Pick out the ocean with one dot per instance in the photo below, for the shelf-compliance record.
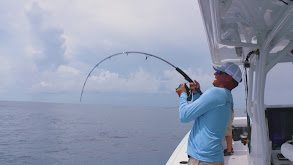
(51, 133)
(82, 134)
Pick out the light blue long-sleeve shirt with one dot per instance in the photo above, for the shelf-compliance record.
(211, 113)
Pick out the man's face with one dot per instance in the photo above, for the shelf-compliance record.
(220, 79)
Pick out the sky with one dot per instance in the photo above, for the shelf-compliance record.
(48, 47)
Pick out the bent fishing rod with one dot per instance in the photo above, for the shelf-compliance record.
(147, 55)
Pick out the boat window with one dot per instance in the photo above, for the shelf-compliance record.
(279, 85)
(280, 125)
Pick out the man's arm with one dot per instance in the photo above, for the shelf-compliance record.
(206, 102)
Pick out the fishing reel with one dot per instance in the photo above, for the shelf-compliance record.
(189, 93)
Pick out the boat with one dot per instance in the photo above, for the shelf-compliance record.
(256, 35)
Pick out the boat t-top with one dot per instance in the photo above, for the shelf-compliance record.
(257, 35)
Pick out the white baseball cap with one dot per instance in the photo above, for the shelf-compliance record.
(231, 69)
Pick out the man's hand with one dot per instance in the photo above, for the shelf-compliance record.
(193, 86)
(181, 89)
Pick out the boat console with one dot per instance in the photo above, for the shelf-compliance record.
(280, 128)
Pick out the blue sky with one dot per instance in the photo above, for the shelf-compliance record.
(48, 47)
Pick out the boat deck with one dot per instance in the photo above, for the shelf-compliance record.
(240, 156)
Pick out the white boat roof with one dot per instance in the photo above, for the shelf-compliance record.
(251, 24)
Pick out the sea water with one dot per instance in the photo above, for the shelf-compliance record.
(51, 133)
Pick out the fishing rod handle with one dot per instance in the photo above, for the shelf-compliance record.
(184, 74)
(188, 79)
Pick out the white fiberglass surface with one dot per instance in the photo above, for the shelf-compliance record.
(247, 24)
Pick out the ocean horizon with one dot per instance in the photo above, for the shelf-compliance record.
(55, 133)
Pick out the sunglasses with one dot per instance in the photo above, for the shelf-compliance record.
(220, 72)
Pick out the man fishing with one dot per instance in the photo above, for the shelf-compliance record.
(211, 113)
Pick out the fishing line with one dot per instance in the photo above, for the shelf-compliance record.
(147, 55)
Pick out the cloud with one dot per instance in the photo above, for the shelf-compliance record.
(68, 69)
(48, 43)
(49, 46)
(143, 81)
(138, 82)
(205, 79)
(64, 79)
(108, 26)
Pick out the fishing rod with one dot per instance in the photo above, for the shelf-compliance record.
(147, 55)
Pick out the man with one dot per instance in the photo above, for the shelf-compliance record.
(211, 113)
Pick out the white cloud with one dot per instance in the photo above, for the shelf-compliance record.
(45, 84)
(68, 69)
(65, 79)
(205, 79)
(48, 41)
(141, 81)
(107, 25)
(48, 46)
(33, 53)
